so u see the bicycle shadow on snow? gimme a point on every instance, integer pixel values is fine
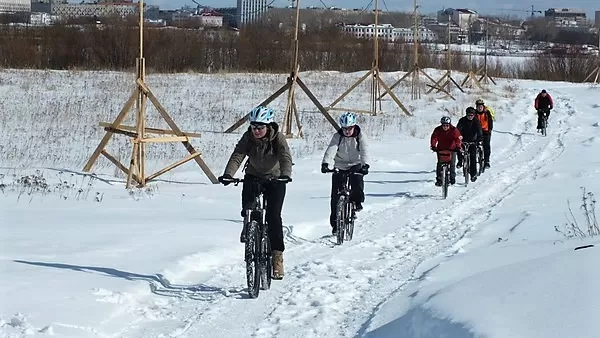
(158, 283)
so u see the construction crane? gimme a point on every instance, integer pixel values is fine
(532, 10)
(199, 7)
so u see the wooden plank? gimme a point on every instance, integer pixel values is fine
(150, 130)
(108, 135)
(316, 102)
(398, 82)
(172, 166)
(275, 95)
(165, 139)
(117, 163)
(394, 97)
(364, 77)
(122, 132)
(178, 132)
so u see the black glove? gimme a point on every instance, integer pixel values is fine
(434, 149)
(324, 168)
(365, 169)
(284, 179)
(226, 179)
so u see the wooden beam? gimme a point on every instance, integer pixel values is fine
(172, 166)
(275, 95)
(150, 130)
(118, 164)
(360, 111)
(108, 135)
(165, 139)
(351, 88)
(119, 131)
(322, 109)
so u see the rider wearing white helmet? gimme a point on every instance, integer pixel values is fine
(347, 150)
(268, 157)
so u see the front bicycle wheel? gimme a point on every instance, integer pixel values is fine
(544, 125)
(445, 181)
(350, 221)
(480, 160)
(466, 166)
(340, 219)
(252, 253)
(266, 265)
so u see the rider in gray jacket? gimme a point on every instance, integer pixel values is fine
(348, 152)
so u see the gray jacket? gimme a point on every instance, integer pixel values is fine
(268, 157)
(345, 152)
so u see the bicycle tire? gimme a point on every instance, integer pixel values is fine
(544, 125)
(350, 221)
(252, 253)
(466, 165)
(266, 264)
(480, 160)
(340, 219)
(445, 180)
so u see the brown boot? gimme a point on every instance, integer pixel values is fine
(277, 263)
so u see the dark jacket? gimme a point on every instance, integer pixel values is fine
(445, 140)
(470, 129)
(268, 157)
(543, 102)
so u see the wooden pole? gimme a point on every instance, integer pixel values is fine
(290, 109)
(415, 84)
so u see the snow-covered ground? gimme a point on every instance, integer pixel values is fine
(83, 257)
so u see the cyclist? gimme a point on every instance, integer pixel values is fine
(470, 129)
(348, 151)
(486, 117)
(268, 157)
(543, 104)
(446, 137)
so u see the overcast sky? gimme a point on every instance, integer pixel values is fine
(427, 6)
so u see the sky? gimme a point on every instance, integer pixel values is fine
(81, 256)
(430, 6)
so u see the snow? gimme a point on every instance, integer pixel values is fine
(84, 257)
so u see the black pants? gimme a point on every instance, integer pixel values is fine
(487, 149)
(357, 193)
(438, 169)
(541, 113)
(472, 159)
(274, 195)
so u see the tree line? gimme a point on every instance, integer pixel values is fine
(264, 48)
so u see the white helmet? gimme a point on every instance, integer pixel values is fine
(261, 114)
(347, 119)
(445, 120)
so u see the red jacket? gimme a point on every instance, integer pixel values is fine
(446, 140)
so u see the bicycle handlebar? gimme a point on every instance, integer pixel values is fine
(237, 181)
(338, 170)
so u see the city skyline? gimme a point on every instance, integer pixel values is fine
(508, 7)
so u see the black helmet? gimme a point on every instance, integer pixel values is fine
(471, 110)
(544, 91)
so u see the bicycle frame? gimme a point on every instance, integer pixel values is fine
(345, 208)
(445, 158)
(257, 251)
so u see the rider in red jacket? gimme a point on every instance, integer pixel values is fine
(446, 137)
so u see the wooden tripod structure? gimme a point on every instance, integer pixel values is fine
(376, 80)
(485, 78)
(444, 84)
(138, 133)
(291, 110)
(596, 72)
(470, 79)
(415, 70)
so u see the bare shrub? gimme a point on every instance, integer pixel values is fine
(573, 228)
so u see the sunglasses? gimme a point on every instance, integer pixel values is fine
(258, 126)
(445, 124)
(347, 128)
(470, 115)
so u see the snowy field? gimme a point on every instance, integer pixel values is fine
(80, 256)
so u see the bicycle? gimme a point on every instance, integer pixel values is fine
(345, 209)
(466, 162)
(480, 159)
(445, 158)
(545, 113)
(257, 250)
